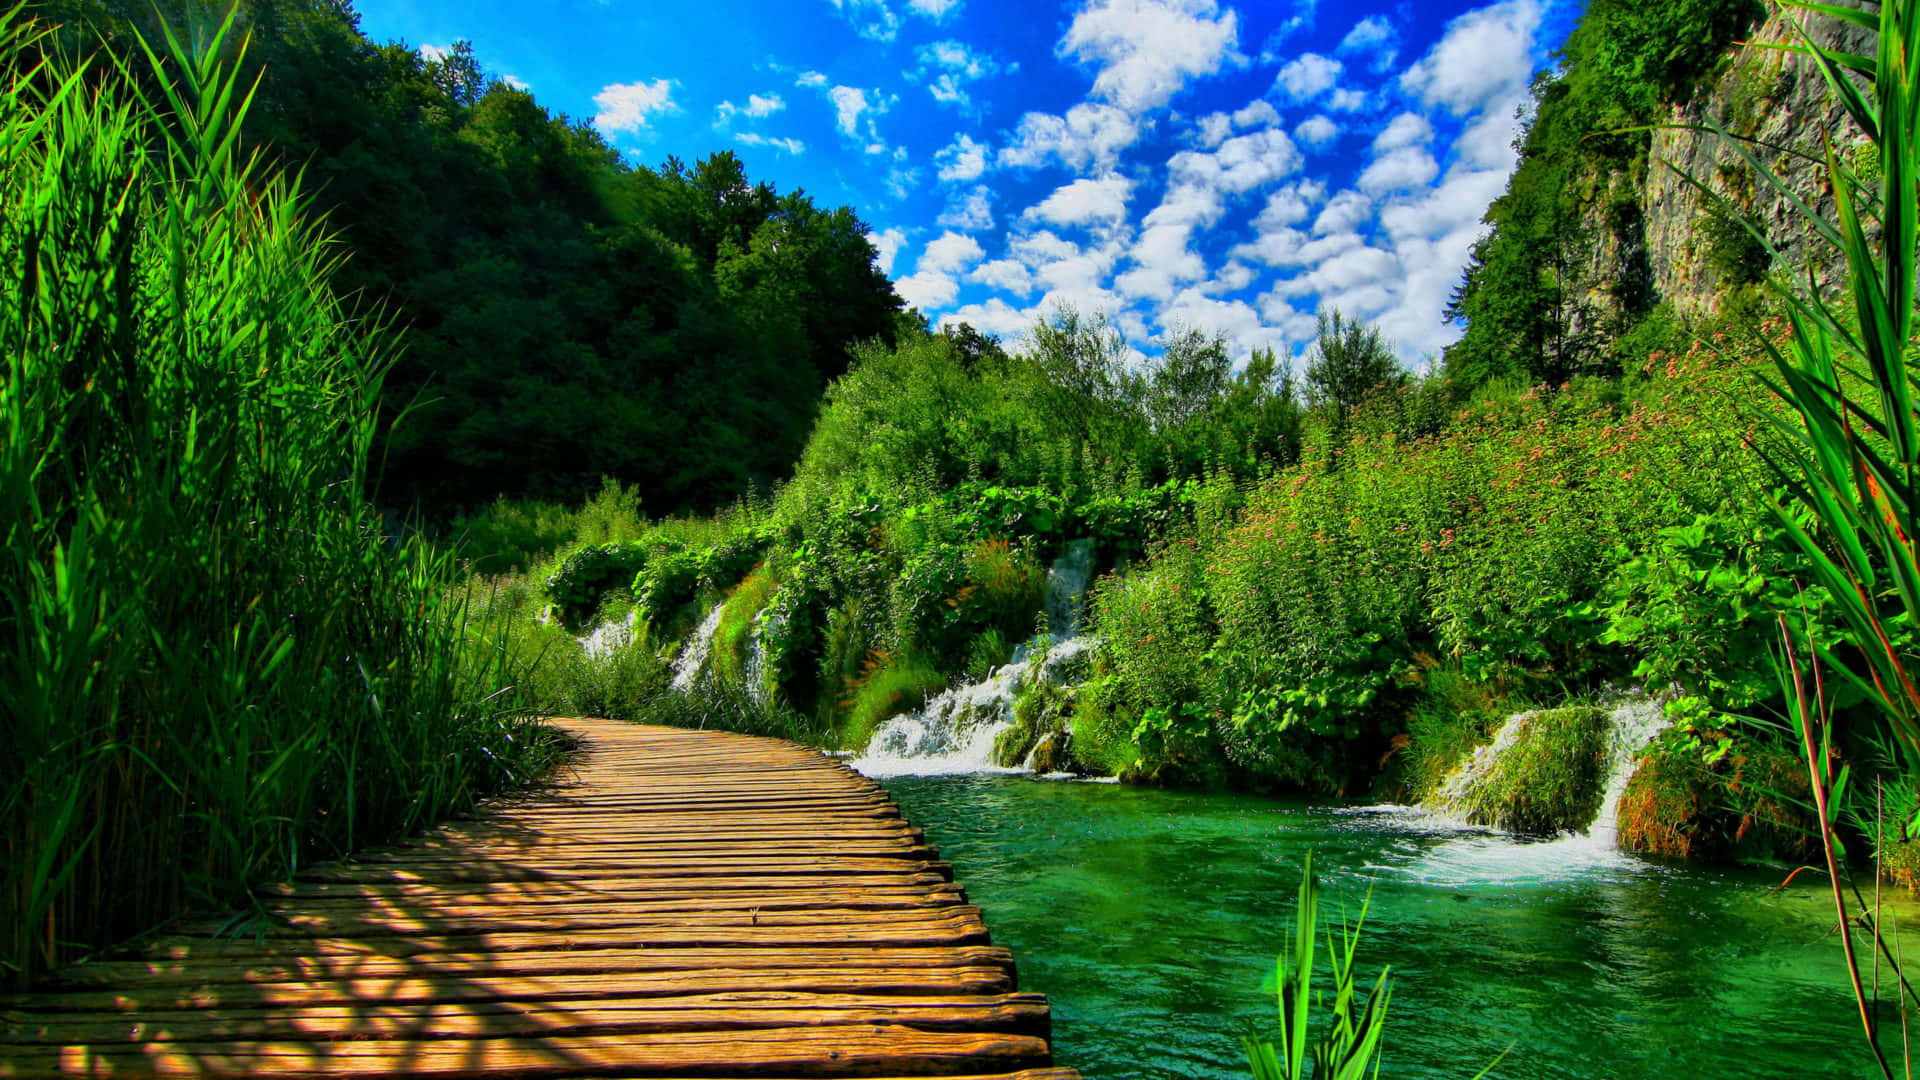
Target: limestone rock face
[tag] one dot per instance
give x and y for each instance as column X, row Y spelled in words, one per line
column 1780, row 104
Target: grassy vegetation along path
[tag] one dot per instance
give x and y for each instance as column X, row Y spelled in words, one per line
column 681, row 903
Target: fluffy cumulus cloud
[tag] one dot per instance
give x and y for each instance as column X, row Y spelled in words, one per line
column 755, row 107
column 1343, row 186
column 627, row 106
column 949, row 67
column 1144, row 52
column 1307, row 76
column 969, row 210
column 886, row 244
column 962, row 159
column 1086, row 203
column 855, row 110
column 1484, row 60
column 1089, row 134
column 1316, row 131
column 933, row 283
column 933, row 9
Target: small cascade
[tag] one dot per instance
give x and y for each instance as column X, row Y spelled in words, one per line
column 1067, row 582
column 955, row 731
column 602, row 640
column 1631, row 728
column 1631, row 723
column 693, row 655
column 759, row 686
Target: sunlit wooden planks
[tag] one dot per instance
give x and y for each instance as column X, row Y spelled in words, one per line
column 679, row 903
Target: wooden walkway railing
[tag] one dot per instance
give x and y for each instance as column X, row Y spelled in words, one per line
column 682, row 904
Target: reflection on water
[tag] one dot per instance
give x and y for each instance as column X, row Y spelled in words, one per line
column 1150, row 918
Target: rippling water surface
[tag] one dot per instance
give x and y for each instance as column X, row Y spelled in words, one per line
column 1150, row 917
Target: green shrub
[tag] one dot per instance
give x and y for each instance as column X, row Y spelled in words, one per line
column 585, row 576
column 890, row 686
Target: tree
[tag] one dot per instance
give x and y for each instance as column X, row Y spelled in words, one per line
column 1350, row 361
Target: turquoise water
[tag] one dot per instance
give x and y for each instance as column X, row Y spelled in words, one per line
column 1149, row 918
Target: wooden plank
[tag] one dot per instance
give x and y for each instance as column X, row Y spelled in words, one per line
column 675, row 904
column 1022, row 1013
column 200, row 970
column 838, row 1050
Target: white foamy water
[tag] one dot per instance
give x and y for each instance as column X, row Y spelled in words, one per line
column 693, row 655
column 1633, row 722
column 954, row 732
column 608, row 636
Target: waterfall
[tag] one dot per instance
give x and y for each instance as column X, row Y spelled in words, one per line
column 608, row 636
column 693, row 654
column 1632, row 723
column 759, row 683
column 1631, row 727
column 954, row 732
column 1067, row 582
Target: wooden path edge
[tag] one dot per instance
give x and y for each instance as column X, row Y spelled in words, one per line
column 676, row 903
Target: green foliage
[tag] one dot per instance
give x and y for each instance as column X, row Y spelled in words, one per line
column 217, row 668
column 585, row 575
column 1350, row 362
column 891, row 685
column 1354, row 1024
column 563, row 316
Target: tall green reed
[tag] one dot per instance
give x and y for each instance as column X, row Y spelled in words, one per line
column 215, row 666
column 1849, row 452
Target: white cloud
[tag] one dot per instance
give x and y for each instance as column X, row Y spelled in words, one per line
column 1344, row 100
column 900, row 181
column 948, row 66
column 1485, row 57
column 434, row 54
column 1087, row 134
column 1145, row 51
column 886, row 244
column 996, row 317
column 1256, row 113
column 757, row 106
column 1316, row 131
column 972, row 210
column 1007, row 275
column 1308, row 76
column 1235, row 320
column 1213, row 129
column 854, row 112
column 1343, row 213
column 1488, row 142
column 1240, row 164
column 626, row 106
column 933, row 9
column 1399, row 170
column 1086, row 203
column 516, row 82
column 962, row 159
column 811, row 79
column 754, row 138
column 932, row 283
column 871, row 19
column 1407, row 129
column 1373, row 36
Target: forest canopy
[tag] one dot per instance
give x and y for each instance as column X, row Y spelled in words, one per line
column 563, row 315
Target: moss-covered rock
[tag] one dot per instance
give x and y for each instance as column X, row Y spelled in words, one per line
column 1745, row 805
column 1542, row 775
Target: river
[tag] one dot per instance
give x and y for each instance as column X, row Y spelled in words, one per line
column 1150, row 917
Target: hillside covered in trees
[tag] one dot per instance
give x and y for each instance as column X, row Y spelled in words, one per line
column 562, row 315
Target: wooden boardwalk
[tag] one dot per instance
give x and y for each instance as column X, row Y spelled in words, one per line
column 682, row 904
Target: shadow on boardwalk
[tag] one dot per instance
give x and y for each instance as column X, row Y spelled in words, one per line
column 678, row 903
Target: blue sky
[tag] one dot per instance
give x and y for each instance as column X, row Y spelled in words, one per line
column 1170, row 163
